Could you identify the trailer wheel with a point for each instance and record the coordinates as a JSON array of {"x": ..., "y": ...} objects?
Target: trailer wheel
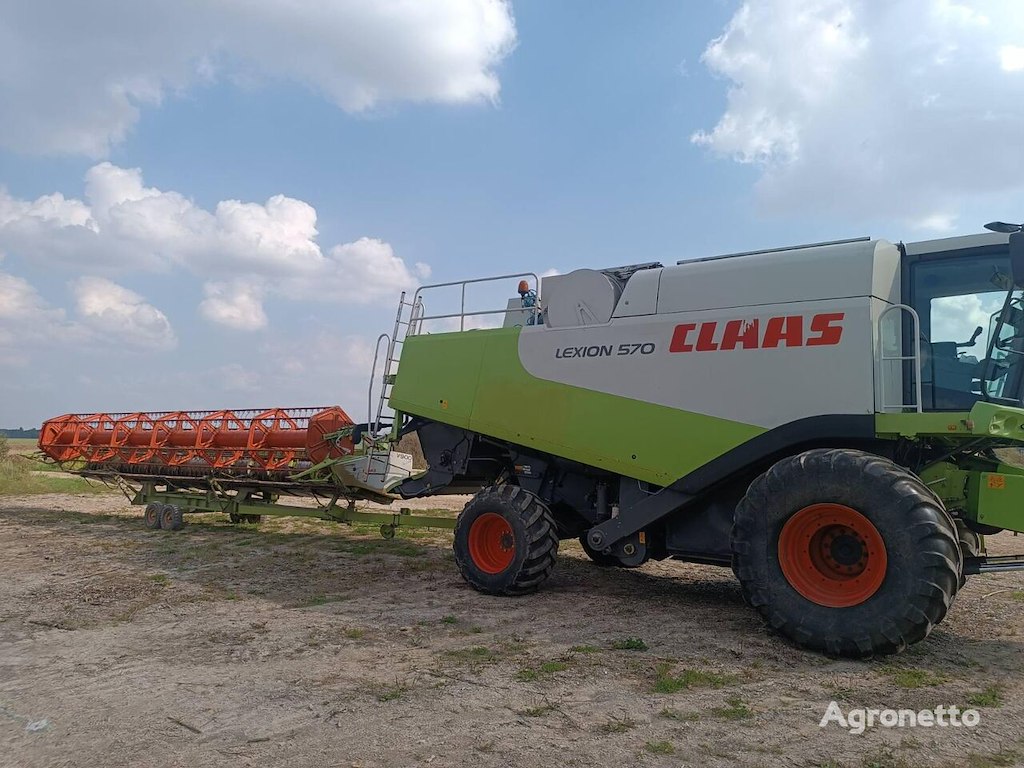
[
  {"x": 171, "y": 518},
  {"x": 506, "y": 542},
  {"x": 845, "y": 552},
  {"x": 152, "y": 515}
]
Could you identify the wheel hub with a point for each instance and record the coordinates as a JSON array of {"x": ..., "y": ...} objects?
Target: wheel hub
[
  {"x": 832, "y": 555},
  {"x": 492, "y": 544},
  {"x": 846, "y": 550}
]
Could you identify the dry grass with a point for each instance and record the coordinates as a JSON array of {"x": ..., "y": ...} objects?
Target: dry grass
[{"x": 21, "y": 474}]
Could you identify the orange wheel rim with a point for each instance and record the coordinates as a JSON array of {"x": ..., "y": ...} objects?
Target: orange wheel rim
[
  {"x": 832, "y": 555},
  {"x": 491, "y": 543}
]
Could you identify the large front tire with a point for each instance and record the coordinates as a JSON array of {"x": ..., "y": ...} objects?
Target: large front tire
[
  {"x": 506, "y": 542},
  {"x": 846, "y": 552}
]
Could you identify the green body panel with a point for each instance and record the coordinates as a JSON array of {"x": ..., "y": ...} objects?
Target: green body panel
[
  {"x": 983, "y": 420},
  {"x": 997, "y": 499},
  {"x": 950, "y": 484},
  {"x": 984, "y": 490},
  {"x": 474, "y": 380}
]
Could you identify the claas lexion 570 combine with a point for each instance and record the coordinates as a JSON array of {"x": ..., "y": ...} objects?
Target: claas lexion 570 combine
[{"x": 836, "y": 422}]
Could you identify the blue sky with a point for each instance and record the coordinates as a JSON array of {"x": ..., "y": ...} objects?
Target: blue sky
[{"x": 544, "y": 135}]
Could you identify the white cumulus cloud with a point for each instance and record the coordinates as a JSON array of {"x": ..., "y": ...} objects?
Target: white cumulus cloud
[
  {"x": 73, "y": 76},
  {"x": 243, "y": 251},
  {"x": 19, "y": 300},
  {"x": 237, "y": 305},
  {"x": 121, "y": 314},
  {"x": 903, "y": 109},
  {"x": 27, "y": 320},
  {"x": 364, "y": 270}
]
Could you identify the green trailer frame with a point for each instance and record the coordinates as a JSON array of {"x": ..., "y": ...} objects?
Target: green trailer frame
[{"x": 240, "y": 502}]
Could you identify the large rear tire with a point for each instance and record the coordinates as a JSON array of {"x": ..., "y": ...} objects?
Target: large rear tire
[
  {"x": 506, "y": 542},
  {"x": 846, "y": 552}
]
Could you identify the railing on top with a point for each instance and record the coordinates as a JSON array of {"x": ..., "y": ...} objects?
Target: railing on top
[{"x": 462, "y": 314}]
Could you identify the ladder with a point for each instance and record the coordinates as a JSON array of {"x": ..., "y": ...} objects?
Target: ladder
[{"x": 407, "y": 323}]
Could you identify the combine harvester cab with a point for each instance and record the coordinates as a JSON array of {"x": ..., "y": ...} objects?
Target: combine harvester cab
[{"x": 832, "y": 421}]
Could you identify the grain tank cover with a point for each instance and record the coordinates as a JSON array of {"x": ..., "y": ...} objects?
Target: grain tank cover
[
  {"x": 783, "y": 276},
  {"x": 583, "y": 297}
]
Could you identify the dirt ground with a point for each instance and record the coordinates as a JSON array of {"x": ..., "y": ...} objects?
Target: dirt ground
[{"x": 311, "y": 644}]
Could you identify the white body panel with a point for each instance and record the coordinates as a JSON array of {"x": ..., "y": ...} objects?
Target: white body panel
[
  {"x": 867, "y": 268},
  {"x": 762, "y": 387},
  {"x": 582, "y": 297},
  {"x": 704, "y": 336},
  {"x": 640, "y": 296},
  {"x": 946, "y": 244},
  {"x": 375, "y": 471}
]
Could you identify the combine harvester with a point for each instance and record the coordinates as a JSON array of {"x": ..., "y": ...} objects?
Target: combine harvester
[{"x": 823, "y": 419}]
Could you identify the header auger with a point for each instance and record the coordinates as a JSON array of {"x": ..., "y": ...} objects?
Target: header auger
[{"x": 809, "y": 417}]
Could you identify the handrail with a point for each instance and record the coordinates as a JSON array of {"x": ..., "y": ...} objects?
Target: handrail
[
  {"x": 915, "y": 358},
  {"x": 371, "y": 425},
  {"x": 417, "y": 300}
]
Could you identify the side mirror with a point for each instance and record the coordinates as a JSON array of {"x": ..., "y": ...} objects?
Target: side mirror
[
  {"x": 1017, "y": 257},
  {"x": 1016, "y": 233}
]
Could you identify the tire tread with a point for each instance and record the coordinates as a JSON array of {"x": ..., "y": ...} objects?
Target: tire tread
[
  {"x": 540, "y": 534},
  {"x": 938, "y": 556}
]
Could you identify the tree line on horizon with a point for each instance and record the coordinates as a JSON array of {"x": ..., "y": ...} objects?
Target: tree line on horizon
[{"x": 19, "y": 432}]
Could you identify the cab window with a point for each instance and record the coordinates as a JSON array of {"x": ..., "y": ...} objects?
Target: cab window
[{"x": 954, "y": 298}]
